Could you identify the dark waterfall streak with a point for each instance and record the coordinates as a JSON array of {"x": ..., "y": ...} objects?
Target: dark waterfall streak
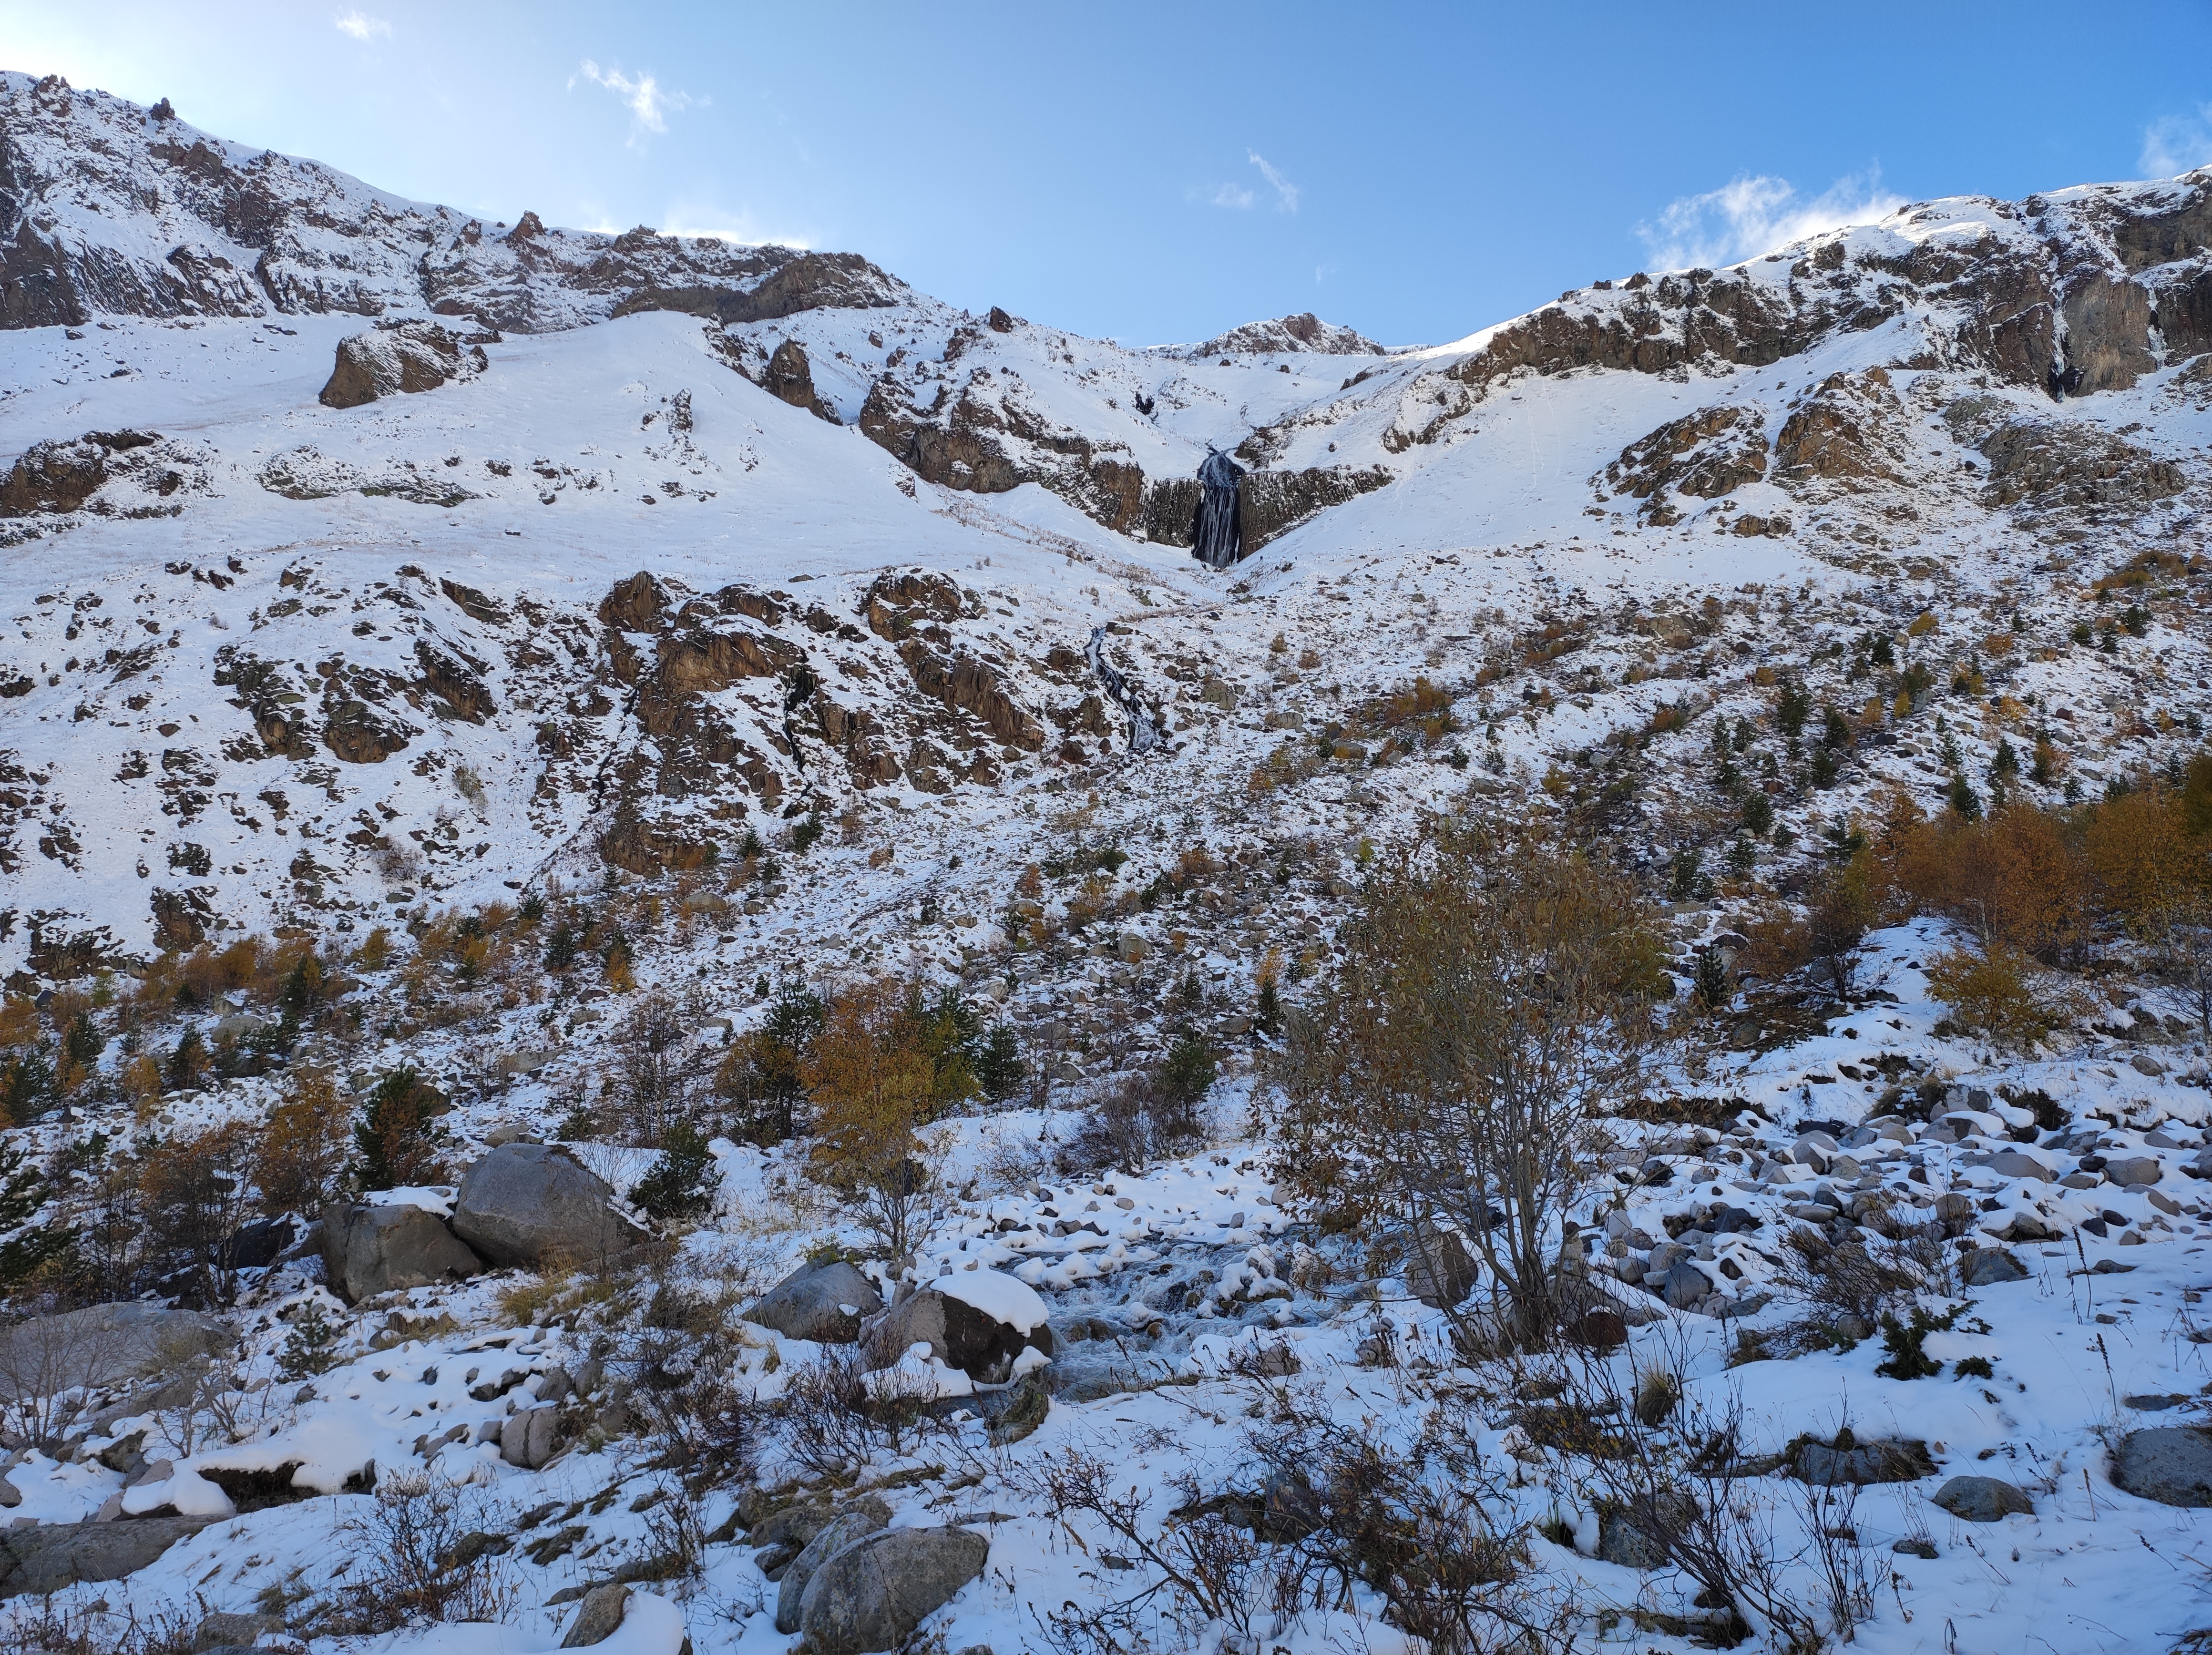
[
  {"x": 1144, "y": 734},
  {"x": 1217, "y": 533}
]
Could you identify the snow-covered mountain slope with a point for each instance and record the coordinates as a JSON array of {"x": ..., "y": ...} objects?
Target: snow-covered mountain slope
[
  {"x": 747, "y": 618},
  {"x": 256, "y": 604}
]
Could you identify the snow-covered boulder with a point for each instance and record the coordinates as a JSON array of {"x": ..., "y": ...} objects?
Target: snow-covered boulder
[
  {"x": 368, "y": 1250},
  {"x": 825, "y": 1303},
  {"x": 977, "y": 1321},
  {"x": 411, "y": 354},
  {"x": 523, "y": 1204}
]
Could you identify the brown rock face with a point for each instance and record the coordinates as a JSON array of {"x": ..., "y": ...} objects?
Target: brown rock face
[
  {"x": 968, "y": 685},
  {"x": 984, "y": 447},
  {"x": 354, "y": 733},
  {"x": 60, "y": 476},
  {"x": 896, "y": 603},
  {"x": 397, "y": 356},
  {"x": 790, "y": 378},
  {"x": 1709, "y": 454},
  {"x": 2108, "y": 326},
  {"x": 1837, "y": 432},
  {"x": 180, "y": 918},
  {"x": 2059, "y": 464}
]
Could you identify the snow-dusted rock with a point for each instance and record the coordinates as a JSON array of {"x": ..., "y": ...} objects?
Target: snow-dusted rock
[
  {"x": 523, "y": 1204},
  {"x": 44, "y": 1557},
  {"x": 872, "y": 1595},
  {"x": 411, "y": 354},
  {"x": 526, "y": 1438},
  {"x": 844, "y": 1530},
  {"x": 2128, "y": 1171},
  {"x": 825, "y": 1303},
  {"x": 1982, "y": 1498},
  {"x": 597, "y": 1616},
  {"x": 1987, "y": 1266},
  {"x": 2170, "y": 1464},
  {"x": 367, "y": 1250}
]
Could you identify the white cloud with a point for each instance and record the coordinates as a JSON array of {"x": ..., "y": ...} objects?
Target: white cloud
[
  {"x": 1239, "y": 198},
  {"x": 1286, "y": 193},
  {"x": 2177, "y": 143},
  {"x": 648, "y": 103},
  {"x": 1748, "y": 216},
  {"x": 360, "y": 25}
]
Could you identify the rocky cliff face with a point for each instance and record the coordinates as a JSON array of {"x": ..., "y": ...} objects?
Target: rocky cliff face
[
  {"x": 109, "y": 209},
  {"x": 2075, "y": 293}
]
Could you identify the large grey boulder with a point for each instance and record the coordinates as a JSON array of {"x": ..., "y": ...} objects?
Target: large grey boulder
[
  {"x": 822, "y": 1302},
  {"x": 603, "y": 1610},
  {"x": 791, "y": 1590},
  {"x": 2170, "y": 1464},
  {"x": 957, "y": 1333},
  {"x": 872, "y": 1595},
  {"x": 526, "y": 1438},
  {"x": 40, "y": 1558},
  {"x": 372, "y": 1249},
  {"x": 525, "y": 1203},
  {"x": 1686, "y": 1284},
  {"x": 1985, "y": 1267},
  {"x": 102, "y": 1344},
  {"x": 1983, "y": 1498}
]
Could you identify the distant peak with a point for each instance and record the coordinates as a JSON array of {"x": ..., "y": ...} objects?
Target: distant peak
[{"x": 1282, "y": 335}]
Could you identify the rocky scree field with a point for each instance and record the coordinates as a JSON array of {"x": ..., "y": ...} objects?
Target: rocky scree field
[{"x": 662, "y": 948}]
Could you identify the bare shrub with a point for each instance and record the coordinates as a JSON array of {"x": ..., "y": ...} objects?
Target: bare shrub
[
  {"x": 1410, "y": 1523},
  {"x": 1133, "y": 1123},
  {"x": 1202, "y": 1569},
  {"x": 1830, "y": 1514},
  {"x": 411, "y": 1566},
  {"x": 1493, "y": 1005},
  {"x": 1687, "y": 1486},
  {"x": 836, "y": 1416},
  {"x": 47, "y": 1366},
  {"x": 58, "y": 1625}
]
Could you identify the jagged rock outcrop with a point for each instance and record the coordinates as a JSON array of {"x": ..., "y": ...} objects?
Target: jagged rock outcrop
[
  {"x": 90, "y": 184},
  {"x": 789, "y": 378},
  {"x": 59, "y": 476},
  {"x": 2050, "y": 463},
  {"x": 1284, "y": 335},
  {"x": 409, "y": 356},
  {"x": 1836, "y": 434},
  {"x": 2073, "y": 293},
  {"x": 986, "y": 447},
  {"x": 1709, "y": 454}
]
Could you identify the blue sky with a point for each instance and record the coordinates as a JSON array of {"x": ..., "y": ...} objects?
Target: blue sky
[{"x": 1156, "y": 173}]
